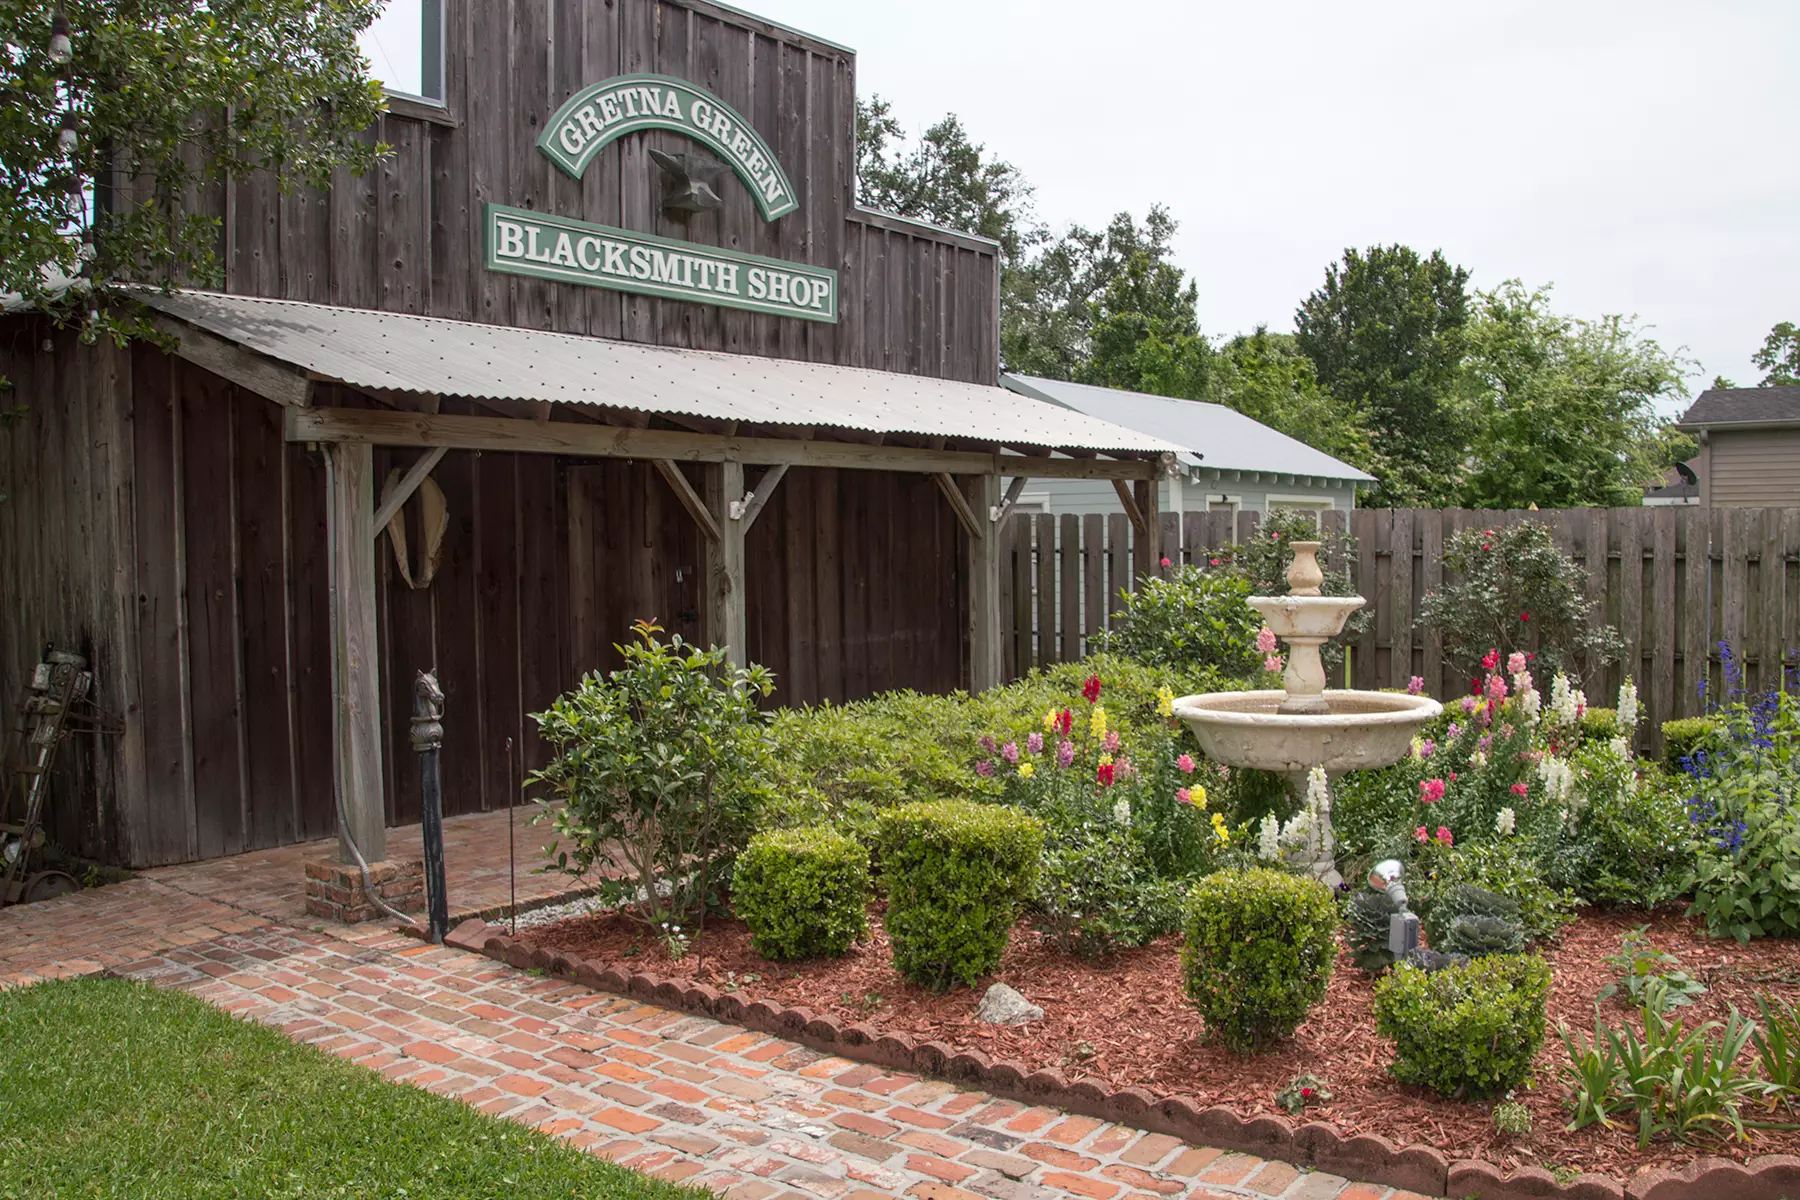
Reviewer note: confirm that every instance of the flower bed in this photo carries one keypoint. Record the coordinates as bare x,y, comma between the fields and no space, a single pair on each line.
1124,1022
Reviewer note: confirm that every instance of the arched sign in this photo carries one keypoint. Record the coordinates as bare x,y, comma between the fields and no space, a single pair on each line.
603,112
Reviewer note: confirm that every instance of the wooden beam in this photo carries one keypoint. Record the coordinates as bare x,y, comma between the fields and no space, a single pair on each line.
690,499
998,515
764,489
352,549
965,516
246,368
409,483
1148,545
390,428
981,562
724,609
1131,505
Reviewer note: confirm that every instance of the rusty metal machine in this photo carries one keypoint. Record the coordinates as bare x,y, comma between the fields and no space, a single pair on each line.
57,702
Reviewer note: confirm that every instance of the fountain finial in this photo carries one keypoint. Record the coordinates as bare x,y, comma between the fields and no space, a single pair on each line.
1304,575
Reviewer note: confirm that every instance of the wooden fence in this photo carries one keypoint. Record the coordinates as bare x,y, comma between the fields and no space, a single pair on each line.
1676,582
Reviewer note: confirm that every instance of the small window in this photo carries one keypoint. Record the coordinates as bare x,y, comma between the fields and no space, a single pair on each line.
405,48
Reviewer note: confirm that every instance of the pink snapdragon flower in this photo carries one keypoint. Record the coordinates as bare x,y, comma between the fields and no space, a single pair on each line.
1034,743
1184,796
1186,764
1431,790
1468,704
1415,686
1010,752
1515,662
1065,753
1112,741
1496,688
1265,640
1422,834
1444,838
984,768
1520,788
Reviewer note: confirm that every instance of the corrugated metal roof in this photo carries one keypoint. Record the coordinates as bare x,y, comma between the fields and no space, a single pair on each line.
1209,435
407,353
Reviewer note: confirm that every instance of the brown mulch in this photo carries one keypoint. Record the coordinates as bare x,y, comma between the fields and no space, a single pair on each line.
1125,1022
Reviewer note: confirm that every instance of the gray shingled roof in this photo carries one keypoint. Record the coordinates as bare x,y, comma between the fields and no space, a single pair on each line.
1210,434
1738,406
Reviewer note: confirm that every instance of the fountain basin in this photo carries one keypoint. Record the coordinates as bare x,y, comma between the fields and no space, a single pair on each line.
1306,616
1359,730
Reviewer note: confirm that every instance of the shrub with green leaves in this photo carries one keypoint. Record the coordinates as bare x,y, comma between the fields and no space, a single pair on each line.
803,892
957,873
1195,617
1259,949
1745,814
661,766
1685,735
1513,589
1097,892
1468,1030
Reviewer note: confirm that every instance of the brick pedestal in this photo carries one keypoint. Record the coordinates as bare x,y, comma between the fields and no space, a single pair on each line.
334,890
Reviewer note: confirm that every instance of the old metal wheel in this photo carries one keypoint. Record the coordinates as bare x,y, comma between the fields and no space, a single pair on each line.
48,884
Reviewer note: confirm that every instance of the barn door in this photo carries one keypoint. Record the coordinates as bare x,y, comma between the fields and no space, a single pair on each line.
634,553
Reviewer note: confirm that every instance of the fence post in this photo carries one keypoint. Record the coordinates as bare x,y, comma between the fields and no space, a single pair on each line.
428,740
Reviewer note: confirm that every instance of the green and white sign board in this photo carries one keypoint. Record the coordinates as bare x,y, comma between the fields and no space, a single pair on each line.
543,246
604,112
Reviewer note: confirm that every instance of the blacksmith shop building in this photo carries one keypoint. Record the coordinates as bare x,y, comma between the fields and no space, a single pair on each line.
606,336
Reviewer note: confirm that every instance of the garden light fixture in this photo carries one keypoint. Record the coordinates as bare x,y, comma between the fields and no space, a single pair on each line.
61,48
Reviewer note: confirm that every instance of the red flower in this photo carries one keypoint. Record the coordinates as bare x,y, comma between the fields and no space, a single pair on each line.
1519,789
1444,838
1453,777
1165,561
1422,835
1065,722
1490,660
1103,774
1090,691
1306,1093
1431,790
1212,562
1524,616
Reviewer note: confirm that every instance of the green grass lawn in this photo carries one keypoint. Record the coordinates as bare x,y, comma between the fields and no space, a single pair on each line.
111,1088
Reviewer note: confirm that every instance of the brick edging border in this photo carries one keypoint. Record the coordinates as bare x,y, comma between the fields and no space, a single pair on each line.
1367,1158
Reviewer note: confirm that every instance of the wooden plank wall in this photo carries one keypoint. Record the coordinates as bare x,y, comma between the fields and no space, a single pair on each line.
1679,584
407,237
65,472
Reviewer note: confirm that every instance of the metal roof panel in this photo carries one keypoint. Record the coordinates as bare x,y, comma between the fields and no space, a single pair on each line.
408,353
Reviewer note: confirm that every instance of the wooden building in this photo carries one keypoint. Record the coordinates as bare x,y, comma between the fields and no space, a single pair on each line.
605,337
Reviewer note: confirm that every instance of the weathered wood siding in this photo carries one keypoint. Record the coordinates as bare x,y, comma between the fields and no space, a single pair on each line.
407,237
65,471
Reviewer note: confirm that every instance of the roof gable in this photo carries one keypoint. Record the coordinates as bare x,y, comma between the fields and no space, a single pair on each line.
1743,406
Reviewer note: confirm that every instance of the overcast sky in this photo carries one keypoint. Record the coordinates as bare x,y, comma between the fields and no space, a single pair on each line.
1639,155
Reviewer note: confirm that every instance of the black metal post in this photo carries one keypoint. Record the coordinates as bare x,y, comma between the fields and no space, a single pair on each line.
428,739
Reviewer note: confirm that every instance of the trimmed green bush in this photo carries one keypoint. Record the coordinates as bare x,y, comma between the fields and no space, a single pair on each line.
1469,1030
1259,949
1684,735
957,874
803,892
1600,724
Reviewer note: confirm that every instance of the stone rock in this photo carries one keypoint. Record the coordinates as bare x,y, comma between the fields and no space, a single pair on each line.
1004,1006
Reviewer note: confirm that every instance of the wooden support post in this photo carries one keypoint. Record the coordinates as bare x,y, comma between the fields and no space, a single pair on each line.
724,615
1148,544
764,489
358,773
981,566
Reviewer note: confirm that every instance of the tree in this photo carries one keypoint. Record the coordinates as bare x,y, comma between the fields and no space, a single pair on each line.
945,179
1107,307
1561,412
1264,376
1780,356
1385,335
105,135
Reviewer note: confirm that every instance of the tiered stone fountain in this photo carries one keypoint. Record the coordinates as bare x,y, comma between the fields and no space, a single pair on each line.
1305,724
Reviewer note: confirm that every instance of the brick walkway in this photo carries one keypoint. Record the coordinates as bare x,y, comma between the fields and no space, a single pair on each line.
687,1098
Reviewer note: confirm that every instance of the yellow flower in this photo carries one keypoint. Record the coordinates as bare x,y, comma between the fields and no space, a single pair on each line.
1026,770
1219,830
1106,760
1198,795
1050,720
1165,700
1097,722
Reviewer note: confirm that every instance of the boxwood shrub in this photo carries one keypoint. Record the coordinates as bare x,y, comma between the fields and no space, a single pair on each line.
1469,1030
1259,949
803,892
1684,735
957,873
